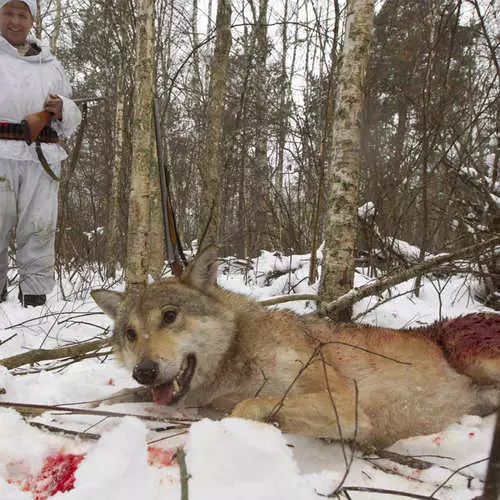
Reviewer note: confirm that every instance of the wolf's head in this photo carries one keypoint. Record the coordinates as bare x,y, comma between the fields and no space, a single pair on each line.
174,334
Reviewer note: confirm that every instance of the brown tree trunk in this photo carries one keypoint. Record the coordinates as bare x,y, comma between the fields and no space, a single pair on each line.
210,168
325,147
492,484
341,176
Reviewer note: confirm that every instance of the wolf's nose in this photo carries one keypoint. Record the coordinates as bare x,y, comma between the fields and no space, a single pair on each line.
146,371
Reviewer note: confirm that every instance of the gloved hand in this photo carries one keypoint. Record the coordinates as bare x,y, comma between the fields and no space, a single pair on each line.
54,105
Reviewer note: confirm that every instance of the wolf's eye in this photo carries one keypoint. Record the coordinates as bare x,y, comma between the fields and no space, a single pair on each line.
130,334
169,316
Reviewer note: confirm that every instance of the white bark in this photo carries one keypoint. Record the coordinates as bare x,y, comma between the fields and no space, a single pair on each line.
139,216
342,173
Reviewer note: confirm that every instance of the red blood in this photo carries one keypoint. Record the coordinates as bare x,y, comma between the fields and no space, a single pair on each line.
57,475
159,457
438,440
111,382
472,434
58,472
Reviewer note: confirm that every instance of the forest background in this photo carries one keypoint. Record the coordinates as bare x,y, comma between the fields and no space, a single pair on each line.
430,128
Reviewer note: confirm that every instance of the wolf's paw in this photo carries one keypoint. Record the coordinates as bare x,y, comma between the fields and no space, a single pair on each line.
259,409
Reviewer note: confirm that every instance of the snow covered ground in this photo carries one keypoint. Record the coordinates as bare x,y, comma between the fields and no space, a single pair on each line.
128,457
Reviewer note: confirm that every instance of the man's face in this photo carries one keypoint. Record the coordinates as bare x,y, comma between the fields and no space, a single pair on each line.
15,22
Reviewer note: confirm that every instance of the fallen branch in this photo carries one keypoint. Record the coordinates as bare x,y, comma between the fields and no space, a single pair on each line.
68,351
289,298
29,409
380,285
331,309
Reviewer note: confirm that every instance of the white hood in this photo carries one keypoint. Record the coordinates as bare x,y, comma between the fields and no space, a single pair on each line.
44,56
25,83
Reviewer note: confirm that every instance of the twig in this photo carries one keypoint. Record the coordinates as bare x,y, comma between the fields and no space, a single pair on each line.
35,409
181,459
170,436
51,315
60,430
408,461
455,473
6,340
288,298
345,489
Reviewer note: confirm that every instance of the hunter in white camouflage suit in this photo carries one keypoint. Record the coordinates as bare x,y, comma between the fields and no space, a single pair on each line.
31,80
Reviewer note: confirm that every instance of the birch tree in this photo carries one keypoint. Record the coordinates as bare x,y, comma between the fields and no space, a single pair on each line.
341,176
139,209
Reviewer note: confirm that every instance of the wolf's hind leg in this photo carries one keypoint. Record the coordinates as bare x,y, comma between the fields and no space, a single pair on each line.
312,414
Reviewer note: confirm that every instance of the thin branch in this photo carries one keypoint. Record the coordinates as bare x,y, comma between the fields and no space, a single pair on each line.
181,459
6,340
455,473
346,489
36,409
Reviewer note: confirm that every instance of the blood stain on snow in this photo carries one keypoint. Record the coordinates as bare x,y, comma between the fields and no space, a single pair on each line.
58,472
57,475
438,440
159,457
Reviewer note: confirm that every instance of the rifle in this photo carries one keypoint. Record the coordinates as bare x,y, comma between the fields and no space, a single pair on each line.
33,123
175,255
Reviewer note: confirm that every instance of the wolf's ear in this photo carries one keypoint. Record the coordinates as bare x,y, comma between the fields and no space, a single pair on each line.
202,272
107,300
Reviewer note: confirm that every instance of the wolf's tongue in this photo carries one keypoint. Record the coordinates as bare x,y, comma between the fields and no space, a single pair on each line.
163,394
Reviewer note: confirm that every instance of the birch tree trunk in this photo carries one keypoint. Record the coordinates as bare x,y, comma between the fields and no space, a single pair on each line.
210,166
139,215
38,20
113,221
54,39
342,172
261,166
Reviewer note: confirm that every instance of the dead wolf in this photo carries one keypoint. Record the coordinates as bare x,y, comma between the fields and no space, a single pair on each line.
195,344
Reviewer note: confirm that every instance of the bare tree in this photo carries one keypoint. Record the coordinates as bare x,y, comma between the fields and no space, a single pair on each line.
210,164
139,209
341,177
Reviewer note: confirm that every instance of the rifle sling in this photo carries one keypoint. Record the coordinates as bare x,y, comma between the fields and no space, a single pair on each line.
44,162
15,131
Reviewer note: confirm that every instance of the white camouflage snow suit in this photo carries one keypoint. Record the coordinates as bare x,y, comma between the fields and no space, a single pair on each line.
28,195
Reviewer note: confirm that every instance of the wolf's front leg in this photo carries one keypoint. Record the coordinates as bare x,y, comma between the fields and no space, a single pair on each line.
318,414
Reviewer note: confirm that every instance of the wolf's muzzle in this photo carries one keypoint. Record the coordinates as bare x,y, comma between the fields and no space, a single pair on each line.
146,371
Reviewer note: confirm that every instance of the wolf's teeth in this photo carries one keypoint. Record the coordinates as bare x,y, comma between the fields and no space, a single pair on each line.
177,387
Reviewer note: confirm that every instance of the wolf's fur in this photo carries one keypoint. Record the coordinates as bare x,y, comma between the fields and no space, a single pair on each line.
375,385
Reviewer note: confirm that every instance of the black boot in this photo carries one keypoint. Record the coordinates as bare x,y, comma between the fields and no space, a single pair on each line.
31,300
3,295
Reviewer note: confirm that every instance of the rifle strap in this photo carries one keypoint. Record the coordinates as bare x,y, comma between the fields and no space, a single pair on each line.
44,162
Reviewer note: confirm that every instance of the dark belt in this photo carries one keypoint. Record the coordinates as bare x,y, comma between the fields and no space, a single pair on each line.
16,132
